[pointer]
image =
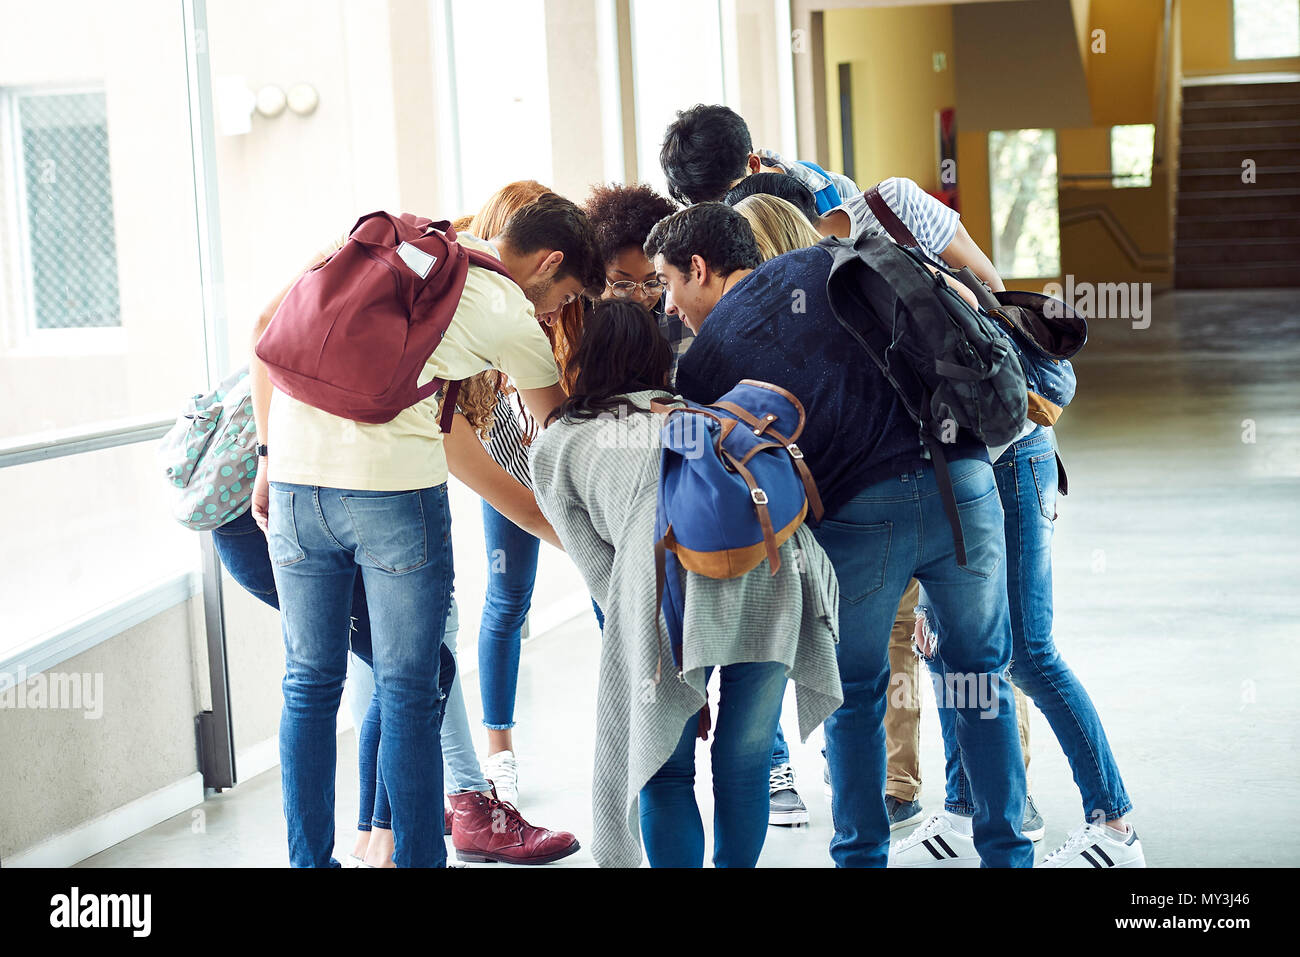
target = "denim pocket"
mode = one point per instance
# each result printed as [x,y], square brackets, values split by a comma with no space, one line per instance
[282,529]
[390,529]
[982,532]
[1044,469]
[859,554]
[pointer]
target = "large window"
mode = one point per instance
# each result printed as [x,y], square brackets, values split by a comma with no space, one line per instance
[503,104]
[1026,215]
[102,317]
[677,46]
[1265,29]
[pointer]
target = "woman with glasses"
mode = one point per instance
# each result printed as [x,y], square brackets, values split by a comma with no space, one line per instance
[623,217]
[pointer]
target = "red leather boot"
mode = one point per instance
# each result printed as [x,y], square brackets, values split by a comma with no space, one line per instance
[485,830]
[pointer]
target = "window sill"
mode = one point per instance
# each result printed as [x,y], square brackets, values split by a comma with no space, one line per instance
[56,646]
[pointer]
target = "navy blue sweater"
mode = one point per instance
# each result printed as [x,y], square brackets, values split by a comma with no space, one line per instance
[776,325]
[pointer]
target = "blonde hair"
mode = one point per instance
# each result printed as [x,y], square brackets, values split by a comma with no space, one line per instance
[779,227]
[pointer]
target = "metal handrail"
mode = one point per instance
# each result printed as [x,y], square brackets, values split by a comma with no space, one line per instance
[1111,175]
[58,444]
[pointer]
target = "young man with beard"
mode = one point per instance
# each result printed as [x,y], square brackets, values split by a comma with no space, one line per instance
[333,494]
[884,521]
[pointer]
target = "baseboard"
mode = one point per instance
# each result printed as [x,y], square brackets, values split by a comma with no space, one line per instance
[116,826]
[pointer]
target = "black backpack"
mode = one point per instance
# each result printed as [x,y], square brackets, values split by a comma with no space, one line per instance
[949,363]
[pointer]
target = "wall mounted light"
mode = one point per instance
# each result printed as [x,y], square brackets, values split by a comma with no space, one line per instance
[271,101]
[303,99]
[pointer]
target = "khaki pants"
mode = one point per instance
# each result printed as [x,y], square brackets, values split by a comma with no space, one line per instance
[903,714]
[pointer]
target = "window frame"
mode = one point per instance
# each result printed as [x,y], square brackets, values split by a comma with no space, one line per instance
[23,337]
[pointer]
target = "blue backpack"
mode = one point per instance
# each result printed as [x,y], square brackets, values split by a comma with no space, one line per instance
[733,486]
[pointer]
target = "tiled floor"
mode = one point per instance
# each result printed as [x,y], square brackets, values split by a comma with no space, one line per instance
[1176,603]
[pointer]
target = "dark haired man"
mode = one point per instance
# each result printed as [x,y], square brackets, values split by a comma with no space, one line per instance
[707,153]
[884,522]
[338,498]
[707,150]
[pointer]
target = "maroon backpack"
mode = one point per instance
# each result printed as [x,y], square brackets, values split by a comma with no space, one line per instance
[354,333]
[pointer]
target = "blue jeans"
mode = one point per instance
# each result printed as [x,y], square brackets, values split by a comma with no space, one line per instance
[889,532]
[748,711]
[244,551]
[1026,479]
[401,541]
[512,571]
[461,770]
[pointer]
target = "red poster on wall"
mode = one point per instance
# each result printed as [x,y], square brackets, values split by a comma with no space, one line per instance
[945,136]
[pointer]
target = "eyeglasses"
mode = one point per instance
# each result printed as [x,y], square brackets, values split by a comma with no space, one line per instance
[626,289]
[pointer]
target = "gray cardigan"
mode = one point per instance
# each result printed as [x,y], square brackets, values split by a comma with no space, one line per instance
[596,482]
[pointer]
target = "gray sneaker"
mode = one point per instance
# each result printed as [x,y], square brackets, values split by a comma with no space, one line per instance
[1033,826]
[902,813]
[786,807]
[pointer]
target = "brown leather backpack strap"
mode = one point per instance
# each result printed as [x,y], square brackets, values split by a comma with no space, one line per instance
[661,559]
[888,218]
[759,498]
[665,405]
[744,415]
[805,476]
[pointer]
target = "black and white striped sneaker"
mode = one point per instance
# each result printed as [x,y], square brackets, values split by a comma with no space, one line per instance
[1097,847]
[936,843]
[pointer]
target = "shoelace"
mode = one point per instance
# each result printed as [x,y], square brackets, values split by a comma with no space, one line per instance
[1077,839]
[781,779]
[504,774]
[511,812]
[930,828]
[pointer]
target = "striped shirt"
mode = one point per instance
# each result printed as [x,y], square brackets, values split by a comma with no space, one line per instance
[932,223]
[505,443]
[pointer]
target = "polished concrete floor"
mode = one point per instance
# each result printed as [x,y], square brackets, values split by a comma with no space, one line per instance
[1176,564]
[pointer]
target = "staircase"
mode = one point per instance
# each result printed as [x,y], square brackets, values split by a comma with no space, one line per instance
[1232,234]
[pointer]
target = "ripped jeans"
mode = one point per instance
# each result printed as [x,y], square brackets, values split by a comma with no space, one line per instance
[890,532]
[1026,478]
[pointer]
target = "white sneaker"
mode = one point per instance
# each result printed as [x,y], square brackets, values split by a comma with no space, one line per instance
[936,843]
[1098,847]
[502,771]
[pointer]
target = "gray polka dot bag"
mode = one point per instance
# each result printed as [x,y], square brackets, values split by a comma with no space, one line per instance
[209,456]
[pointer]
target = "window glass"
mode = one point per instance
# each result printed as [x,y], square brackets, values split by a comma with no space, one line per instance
[1131,151]
[67,204]
[1026,215]
[1265,29]
[677,57]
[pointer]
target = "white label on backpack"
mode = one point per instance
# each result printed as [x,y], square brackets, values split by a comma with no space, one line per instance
[419,261]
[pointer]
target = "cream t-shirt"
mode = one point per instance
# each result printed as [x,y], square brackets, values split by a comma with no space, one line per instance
[494,328]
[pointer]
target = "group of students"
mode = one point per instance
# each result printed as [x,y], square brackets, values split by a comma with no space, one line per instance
[608,308]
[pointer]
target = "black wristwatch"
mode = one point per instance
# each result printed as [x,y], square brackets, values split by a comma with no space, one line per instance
[261,451]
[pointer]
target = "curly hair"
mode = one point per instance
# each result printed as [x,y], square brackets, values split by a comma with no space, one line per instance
[718,234]
[623,216]
[479,394]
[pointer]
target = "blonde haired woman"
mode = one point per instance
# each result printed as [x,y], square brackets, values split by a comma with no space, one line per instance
[778,225]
